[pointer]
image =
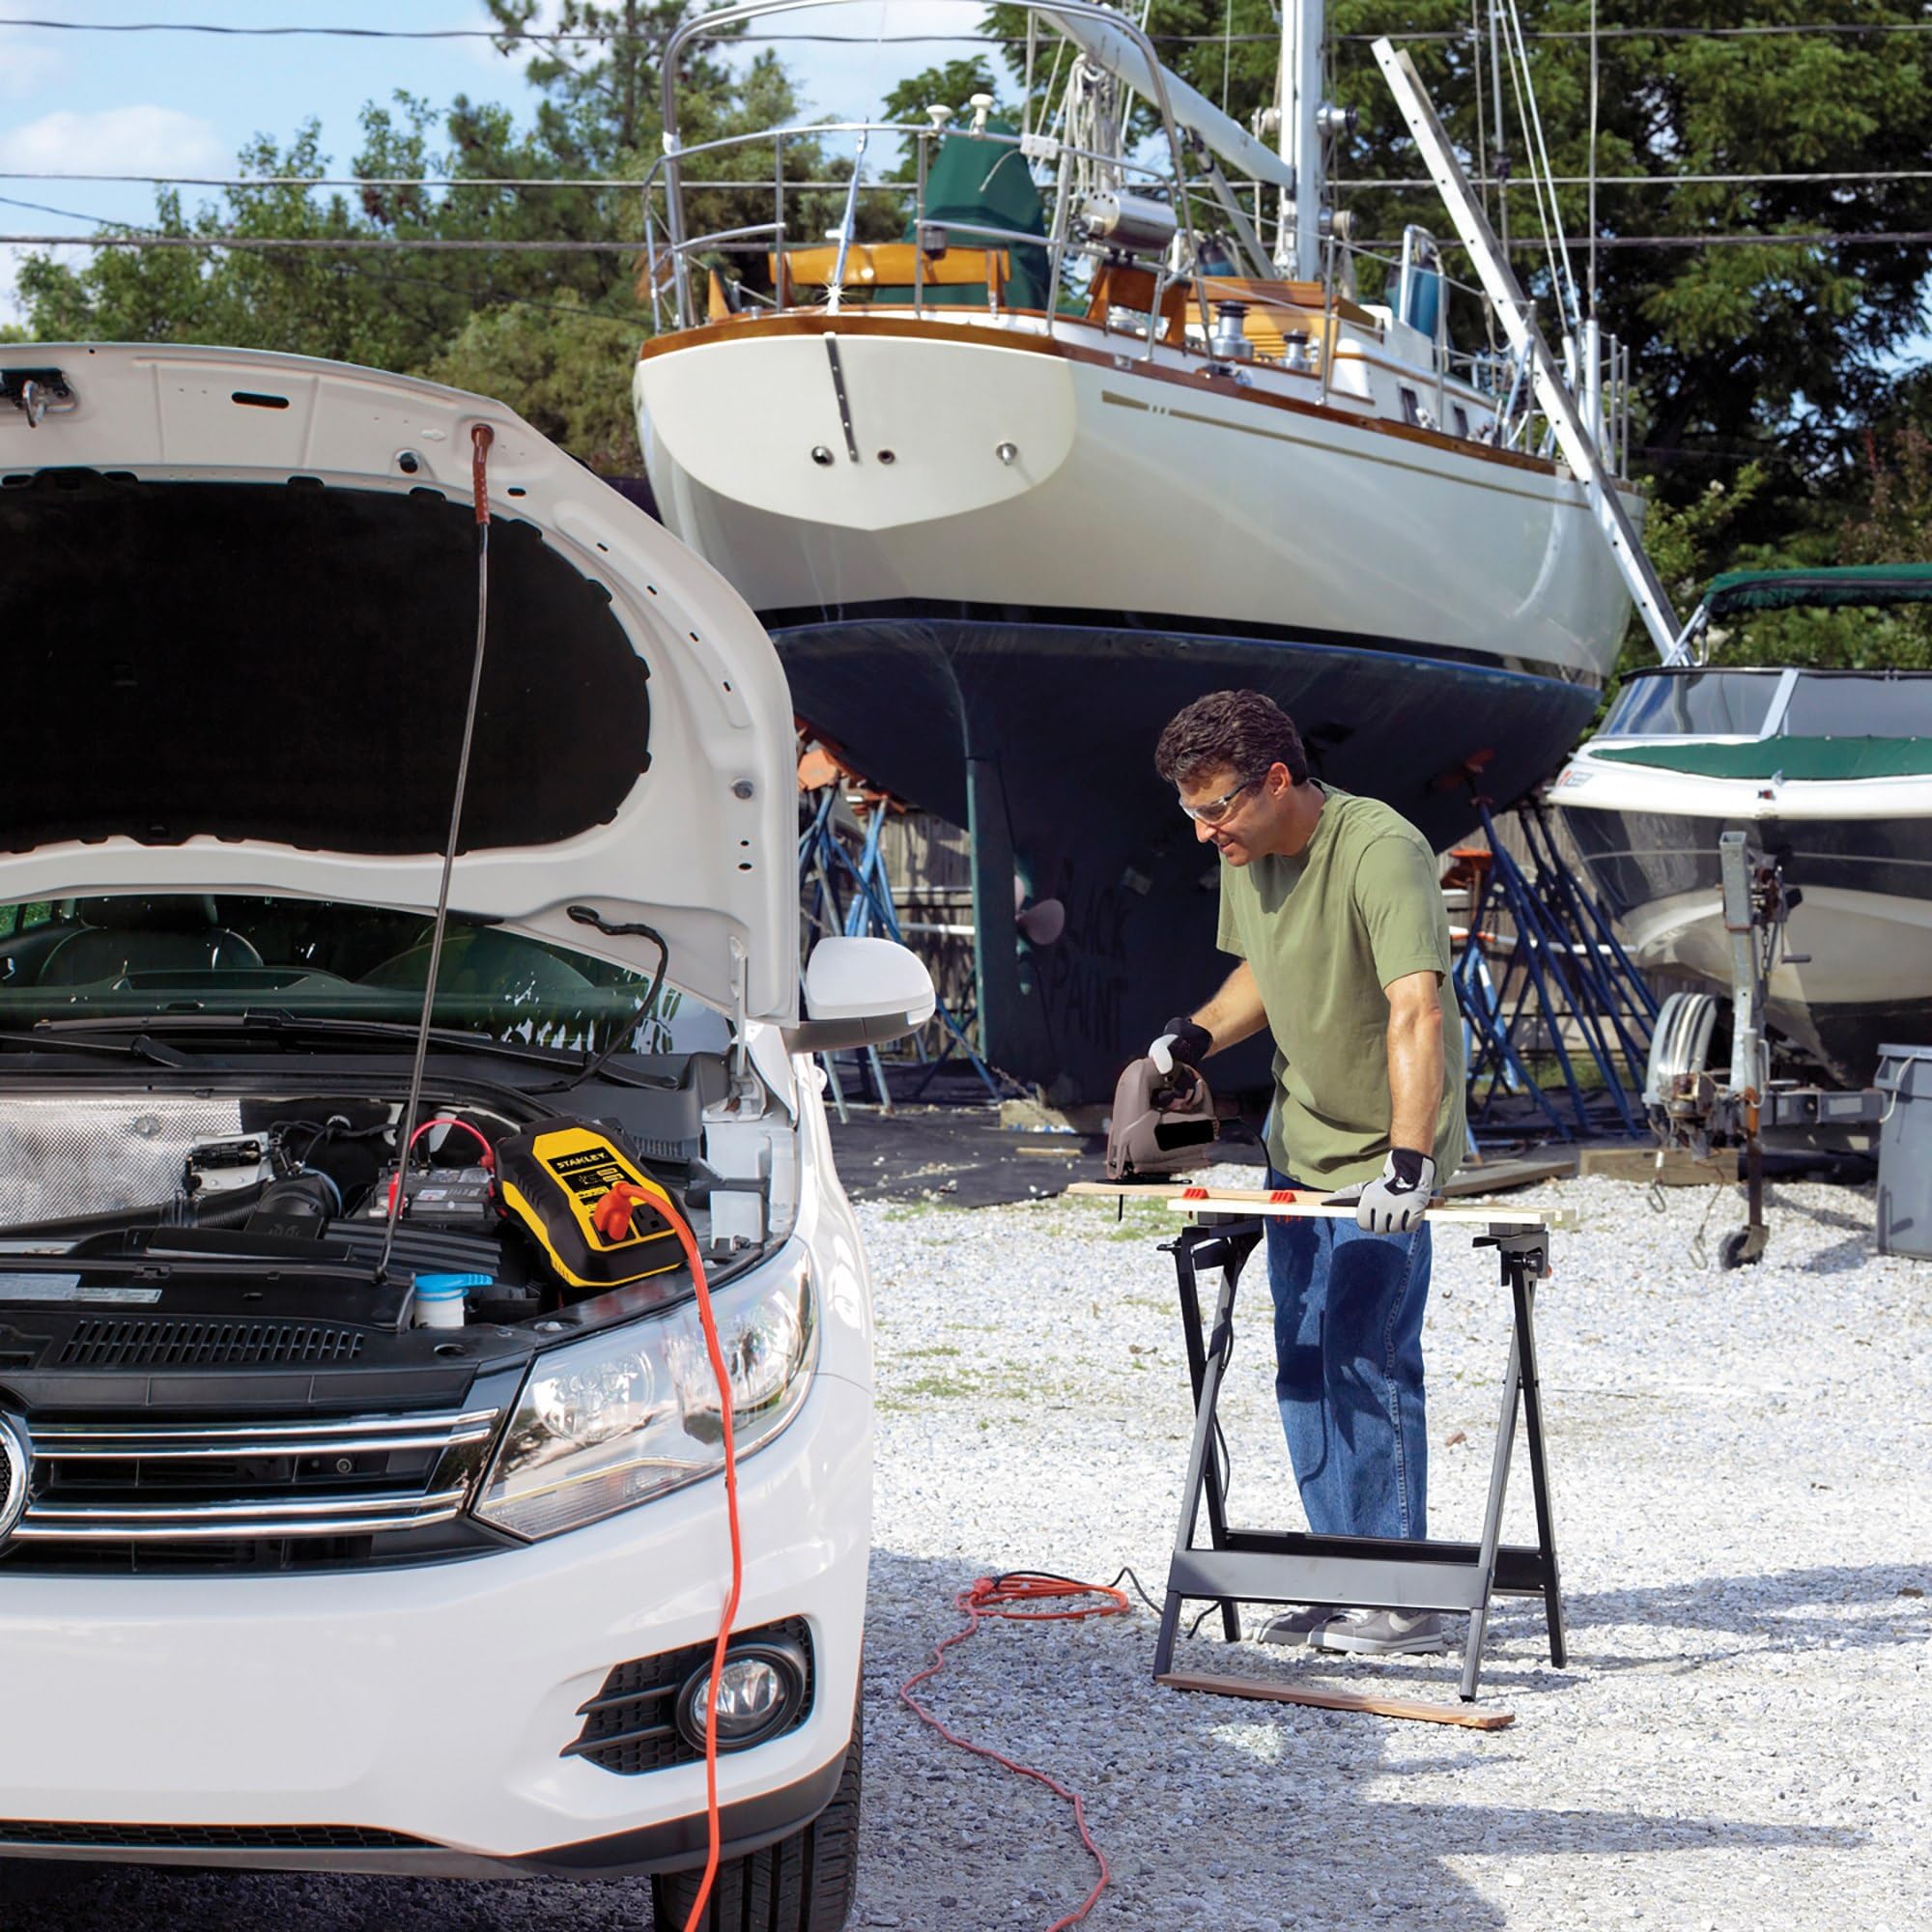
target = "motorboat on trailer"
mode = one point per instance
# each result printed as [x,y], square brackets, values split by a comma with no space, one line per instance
[1829,774]
[1091,436]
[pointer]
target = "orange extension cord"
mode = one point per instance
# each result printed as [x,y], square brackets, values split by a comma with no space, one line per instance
[980,1602]
[714,1829]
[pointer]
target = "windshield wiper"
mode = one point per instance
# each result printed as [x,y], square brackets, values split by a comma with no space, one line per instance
[140,1047]
[279,1022]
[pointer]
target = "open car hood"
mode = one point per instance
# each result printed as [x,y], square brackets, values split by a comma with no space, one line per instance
[238,622]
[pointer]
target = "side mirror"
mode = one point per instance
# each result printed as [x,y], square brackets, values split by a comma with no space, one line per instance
[861,992]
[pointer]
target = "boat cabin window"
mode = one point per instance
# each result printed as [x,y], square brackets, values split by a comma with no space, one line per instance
[1846,705]
[1705,703]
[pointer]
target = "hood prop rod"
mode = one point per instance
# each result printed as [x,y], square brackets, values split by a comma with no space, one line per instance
[481,436]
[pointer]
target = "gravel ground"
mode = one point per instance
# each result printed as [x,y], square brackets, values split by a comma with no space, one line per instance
[1744,1515]
[1743,1512]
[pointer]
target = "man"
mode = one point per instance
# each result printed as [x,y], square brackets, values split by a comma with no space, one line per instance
[1331,905]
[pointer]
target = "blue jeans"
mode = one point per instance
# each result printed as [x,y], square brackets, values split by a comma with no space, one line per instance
[1347,1342]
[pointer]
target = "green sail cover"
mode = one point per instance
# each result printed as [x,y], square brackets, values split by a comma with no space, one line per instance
[1819,589]
[987,183]
[1815,758]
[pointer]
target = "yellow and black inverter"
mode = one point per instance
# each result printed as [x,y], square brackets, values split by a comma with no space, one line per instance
[558,1175]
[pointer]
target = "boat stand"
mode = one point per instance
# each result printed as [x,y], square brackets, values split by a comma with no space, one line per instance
[1287,1567]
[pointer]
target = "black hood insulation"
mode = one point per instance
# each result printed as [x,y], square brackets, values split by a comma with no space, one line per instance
[289,663]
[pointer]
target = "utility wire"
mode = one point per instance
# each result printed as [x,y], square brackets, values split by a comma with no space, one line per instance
[636,181]
[510,38]
[1824,238]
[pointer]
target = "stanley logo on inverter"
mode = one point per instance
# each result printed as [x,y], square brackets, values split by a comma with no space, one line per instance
[553,1176]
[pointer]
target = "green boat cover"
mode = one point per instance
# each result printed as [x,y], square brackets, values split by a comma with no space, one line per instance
[988,184]
[1816,758]
[1819,589]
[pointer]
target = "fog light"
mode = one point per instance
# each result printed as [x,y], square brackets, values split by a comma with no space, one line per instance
[758,1695]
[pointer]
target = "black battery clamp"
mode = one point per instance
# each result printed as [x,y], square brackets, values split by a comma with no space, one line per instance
[589,1202]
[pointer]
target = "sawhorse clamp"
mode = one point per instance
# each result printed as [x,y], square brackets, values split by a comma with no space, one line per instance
[1289,1567]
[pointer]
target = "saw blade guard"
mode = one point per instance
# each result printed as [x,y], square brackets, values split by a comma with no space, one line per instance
[1162,1123]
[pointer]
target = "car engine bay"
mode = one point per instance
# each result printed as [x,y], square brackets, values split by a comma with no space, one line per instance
[229,1219]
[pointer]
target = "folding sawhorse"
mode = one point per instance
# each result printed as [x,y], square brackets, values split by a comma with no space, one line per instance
[1289,1567]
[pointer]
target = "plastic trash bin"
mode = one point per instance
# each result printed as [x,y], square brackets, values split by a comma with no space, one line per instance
[1905,1153]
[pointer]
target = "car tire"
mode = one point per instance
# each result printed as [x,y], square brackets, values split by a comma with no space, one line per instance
[801,1883]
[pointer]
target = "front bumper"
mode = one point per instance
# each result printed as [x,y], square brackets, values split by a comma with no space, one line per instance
[414,1719]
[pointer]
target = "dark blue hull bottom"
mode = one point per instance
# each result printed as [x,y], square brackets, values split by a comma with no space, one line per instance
[1039,737]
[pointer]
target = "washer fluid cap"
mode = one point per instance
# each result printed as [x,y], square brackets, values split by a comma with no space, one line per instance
[449,1287]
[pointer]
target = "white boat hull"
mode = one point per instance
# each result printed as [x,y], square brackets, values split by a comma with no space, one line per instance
[998,469]
[1856,964]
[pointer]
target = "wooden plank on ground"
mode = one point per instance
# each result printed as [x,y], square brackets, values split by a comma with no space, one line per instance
[1679,1169]
[1411,1708]
[1500,1177]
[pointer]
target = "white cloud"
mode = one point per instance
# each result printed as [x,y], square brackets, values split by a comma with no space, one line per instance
[118,140]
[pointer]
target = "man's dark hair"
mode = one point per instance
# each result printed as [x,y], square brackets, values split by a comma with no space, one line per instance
[1241,731]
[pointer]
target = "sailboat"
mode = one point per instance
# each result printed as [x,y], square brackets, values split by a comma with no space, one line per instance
[1106,427]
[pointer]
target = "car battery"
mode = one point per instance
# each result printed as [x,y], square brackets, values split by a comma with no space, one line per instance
[441,1196]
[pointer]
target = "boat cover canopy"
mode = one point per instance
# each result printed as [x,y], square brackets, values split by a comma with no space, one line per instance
[988,185]
[1819,589]
[1818,759]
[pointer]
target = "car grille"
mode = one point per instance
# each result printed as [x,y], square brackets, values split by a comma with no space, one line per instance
[181,1484]
[628,1726]
[54,1832]
[174,1345]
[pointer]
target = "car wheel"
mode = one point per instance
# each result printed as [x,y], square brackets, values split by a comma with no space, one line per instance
[801,1883]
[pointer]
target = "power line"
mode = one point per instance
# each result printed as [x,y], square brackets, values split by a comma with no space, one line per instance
[382,243]
[372,181]
[1645,181]
[510,38]
[399,244]
[636,182]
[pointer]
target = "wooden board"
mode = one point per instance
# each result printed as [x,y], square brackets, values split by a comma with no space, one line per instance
[1304,1205]
[1414,1708]
[1500,1177]
[1679,1169]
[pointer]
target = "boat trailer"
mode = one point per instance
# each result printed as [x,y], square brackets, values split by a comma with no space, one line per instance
[1691,1107]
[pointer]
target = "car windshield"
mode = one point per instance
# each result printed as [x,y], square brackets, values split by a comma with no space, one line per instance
[1704,703]
[195,953]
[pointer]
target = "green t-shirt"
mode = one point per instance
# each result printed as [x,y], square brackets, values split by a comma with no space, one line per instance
[1324,932]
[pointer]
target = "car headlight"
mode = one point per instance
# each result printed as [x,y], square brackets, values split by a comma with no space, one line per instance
[610,1422]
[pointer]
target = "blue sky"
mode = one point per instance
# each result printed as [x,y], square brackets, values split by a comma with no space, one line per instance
[184,104]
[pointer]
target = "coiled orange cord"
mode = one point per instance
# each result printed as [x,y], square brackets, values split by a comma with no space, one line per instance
[987,1598]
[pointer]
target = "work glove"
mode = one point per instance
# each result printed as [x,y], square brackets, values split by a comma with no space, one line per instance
[1182,1042]
[1393,1202]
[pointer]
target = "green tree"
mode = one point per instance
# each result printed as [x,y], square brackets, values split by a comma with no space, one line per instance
[568,370]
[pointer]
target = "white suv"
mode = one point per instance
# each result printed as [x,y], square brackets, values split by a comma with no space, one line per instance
[333,1537]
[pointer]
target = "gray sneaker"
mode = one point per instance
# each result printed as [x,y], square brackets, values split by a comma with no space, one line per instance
[1298,1626]
[1382,1634]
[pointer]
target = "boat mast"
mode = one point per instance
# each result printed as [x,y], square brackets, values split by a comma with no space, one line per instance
[1298,252]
